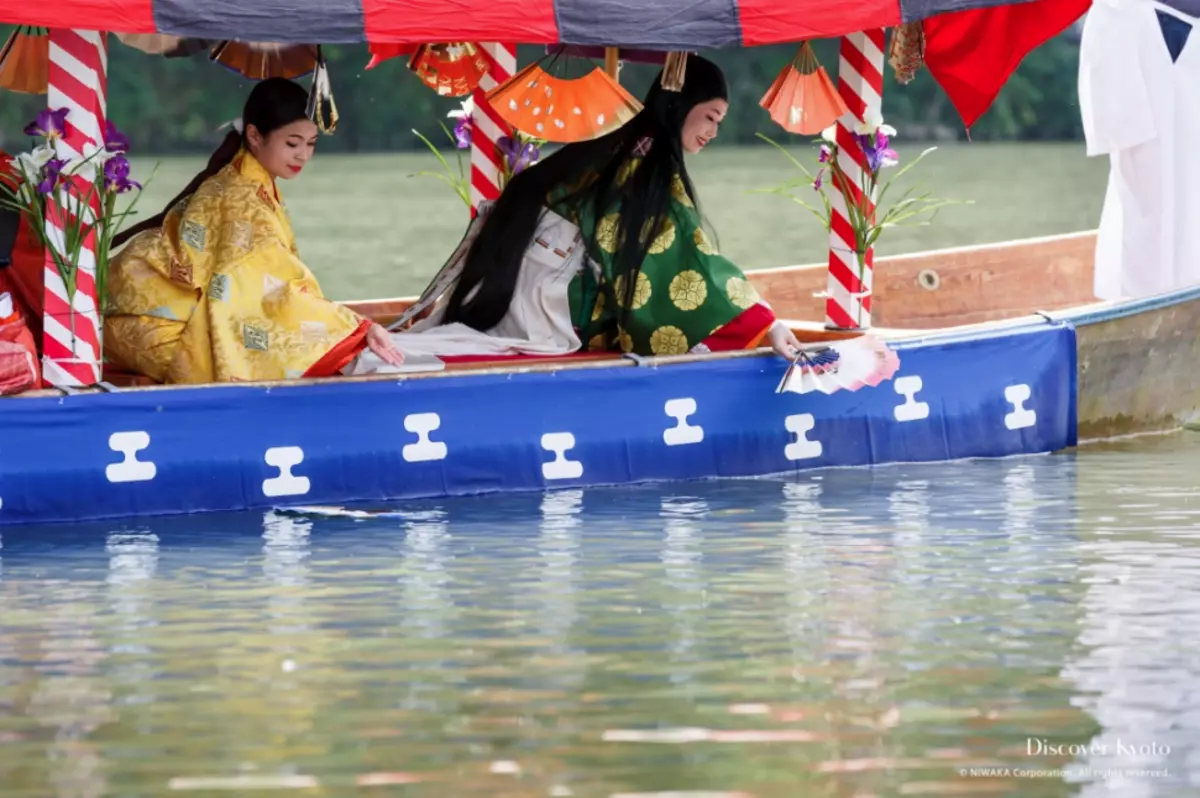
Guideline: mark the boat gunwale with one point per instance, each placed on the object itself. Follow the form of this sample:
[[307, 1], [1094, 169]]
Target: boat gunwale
[[1082, 315]]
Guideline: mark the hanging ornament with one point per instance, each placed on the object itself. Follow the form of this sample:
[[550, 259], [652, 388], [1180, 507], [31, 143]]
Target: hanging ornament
[[803, 99], [262, 60], [563, 110], [452, 70], [674, 70], [906, 51], [25, 61], [321, 108]]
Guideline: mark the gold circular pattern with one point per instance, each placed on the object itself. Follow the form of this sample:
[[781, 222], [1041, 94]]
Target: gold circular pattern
[[702, 243], [597, 343], [625, 341], [668, 340], [665, 238], [679, 192], [607, 230], [598, 308], [688, 290], [740, 292], [641, 291]]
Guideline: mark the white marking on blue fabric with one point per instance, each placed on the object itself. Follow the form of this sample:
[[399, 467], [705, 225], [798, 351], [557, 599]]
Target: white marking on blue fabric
[[424, 449], [911, 410], [285, 458], [130, 469], [801, 448], [682, 433], [1021, 417], [560, 467]]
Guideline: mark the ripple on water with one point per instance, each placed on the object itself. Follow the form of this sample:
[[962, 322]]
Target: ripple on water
[[959, 629]]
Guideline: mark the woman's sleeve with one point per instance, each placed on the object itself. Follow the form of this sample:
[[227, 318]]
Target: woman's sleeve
[[688, 297]]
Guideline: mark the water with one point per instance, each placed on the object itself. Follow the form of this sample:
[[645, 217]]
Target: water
[[909, 630], [368, 230]]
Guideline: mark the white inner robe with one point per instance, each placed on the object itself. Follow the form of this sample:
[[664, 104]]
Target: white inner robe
[[538, 321], [1142, 109]]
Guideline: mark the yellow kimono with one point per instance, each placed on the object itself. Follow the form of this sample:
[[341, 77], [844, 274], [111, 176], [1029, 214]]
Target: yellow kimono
[[219, 293]]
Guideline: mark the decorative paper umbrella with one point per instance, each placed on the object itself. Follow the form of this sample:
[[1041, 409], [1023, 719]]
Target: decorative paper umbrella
[[25, 60], [262, 60], [563, 110], [803, 99], [452, 70]]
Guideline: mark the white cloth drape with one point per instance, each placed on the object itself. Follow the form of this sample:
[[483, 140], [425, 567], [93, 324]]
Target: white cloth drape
[[538, 320], [1142, 110]]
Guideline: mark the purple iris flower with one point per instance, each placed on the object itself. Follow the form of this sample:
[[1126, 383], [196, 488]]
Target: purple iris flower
[[462, 131], [881, 158], [819, 181], [116, 175], [826, 154], [114, 140], [517, 154], [51, 176], [49, 124]]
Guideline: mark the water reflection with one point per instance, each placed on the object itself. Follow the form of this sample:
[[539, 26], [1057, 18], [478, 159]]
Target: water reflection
[[846, 632], [1137, 665], [685, 599], [70, 699]]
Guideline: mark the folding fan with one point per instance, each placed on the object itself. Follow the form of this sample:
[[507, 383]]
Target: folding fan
[[803, 99], [262, 60], [563, 110], [843, 365], [25, 60], [452, 70], [321, 109]]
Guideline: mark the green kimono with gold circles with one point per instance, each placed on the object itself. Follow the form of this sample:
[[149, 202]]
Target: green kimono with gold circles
[[688, 297]]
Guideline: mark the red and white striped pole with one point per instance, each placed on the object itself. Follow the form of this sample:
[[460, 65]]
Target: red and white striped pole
[[488, 127], [860, 84], [71, 326]]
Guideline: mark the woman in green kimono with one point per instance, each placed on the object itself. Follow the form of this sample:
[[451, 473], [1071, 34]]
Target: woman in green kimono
[[600, 247]]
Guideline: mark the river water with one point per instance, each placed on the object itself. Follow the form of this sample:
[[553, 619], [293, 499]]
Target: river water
[[1015, 627]]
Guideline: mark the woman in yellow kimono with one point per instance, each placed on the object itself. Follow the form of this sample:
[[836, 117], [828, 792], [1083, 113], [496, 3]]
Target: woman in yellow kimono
[[213, 289]]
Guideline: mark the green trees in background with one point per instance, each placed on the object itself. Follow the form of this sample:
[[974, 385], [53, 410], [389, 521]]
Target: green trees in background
[[175, 106]]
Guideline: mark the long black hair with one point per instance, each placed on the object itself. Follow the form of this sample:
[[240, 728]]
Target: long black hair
[[485, 289], [272, 104]]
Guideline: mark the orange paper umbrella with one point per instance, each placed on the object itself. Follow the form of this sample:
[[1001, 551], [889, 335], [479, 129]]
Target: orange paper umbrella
[[262, 60], [452, 70], [563, 110], [803, 99], [25, 60]]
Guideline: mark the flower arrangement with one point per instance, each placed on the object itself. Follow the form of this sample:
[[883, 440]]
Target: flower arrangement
[[863, 196], [519, 152], [40, 191]]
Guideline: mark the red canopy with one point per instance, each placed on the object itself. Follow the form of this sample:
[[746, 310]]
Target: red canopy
[[972, 46]]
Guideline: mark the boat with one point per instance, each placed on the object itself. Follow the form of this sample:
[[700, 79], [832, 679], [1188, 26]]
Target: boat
[[1003, 352], [990, 367]]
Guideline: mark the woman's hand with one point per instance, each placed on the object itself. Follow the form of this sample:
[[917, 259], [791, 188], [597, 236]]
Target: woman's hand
[[379, 341], [783, 341]]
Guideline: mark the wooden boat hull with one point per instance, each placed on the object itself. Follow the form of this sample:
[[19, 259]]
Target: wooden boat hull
[[1001, 381]]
